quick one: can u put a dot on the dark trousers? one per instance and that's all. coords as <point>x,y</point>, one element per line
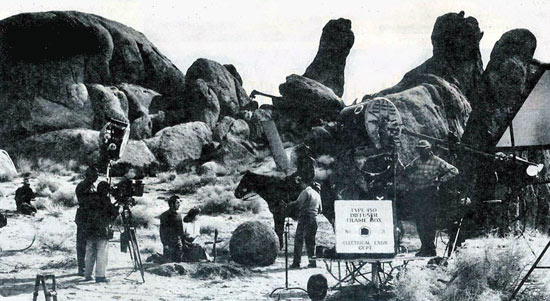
<point>425,215</point>
<point>81,240</point>
<point>306,230</point>
<point>173,251</point>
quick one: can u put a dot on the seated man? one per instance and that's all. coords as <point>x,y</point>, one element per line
<point>171,231</point>
<point>23,197</point>
<point>191,230</point>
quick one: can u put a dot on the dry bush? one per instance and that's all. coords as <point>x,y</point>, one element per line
<point>166,177</point>
<point>60,263</point>
<point>6,177</point>
<point>217,199</point>
<point>23,165</point>
<point>46,185</point>
<point>190,183</point>
<point>207,229</point>
<point>484,270</point>
<point>54,236</point>
<point>65,196</point>
<point>142,217</point>
<point>46,204</point>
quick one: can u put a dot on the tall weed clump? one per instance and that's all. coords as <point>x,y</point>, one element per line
<point>486,269</point>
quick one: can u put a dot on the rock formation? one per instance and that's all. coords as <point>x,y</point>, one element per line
<point>213,91</point>
<point>254,243</point>
<point>47,60</point>
<point>328,65</point>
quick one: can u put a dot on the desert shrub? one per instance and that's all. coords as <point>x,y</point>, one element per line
<point>60,263</point>
<point>46,204</point>
<point>217,199</point>
<point>46,185</point>
<point>189,183</point>
<point>65,196</point>
<point>207,229</point>
<point>54,236</point>
<point>484,269</point>
<point>166,177</point>
<point>142,217</point>
<point>23,165</point>
<point>6,177</point>
<point>57,168</point>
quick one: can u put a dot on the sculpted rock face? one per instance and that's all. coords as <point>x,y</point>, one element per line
<point>510,76</point>
<point>48,58</point>
<point>307,101</point>
<point>328,65</point>
<point>433,98</point>
<point>254,243</point>
<point>212,90</point>
<point>182,142</point>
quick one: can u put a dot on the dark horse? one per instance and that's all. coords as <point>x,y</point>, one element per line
<point>278,192</point>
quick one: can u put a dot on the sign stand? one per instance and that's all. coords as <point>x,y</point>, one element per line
<point>286,288</point>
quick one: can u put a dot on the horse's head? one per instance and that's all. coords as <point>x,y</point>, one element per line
<point>246,186</point>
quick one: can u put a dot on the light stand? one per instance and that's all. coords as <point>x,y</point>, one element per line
<point>286,288</point>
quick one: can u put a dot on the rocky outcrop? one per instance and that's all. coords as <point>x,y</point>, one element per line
<point>434,98</point>
<point>178,144</point>
<point>307,102</point>
<point>81,145</point>
<point>510,76</point>
<point>230,126</point>
<point>213,91</point>
<point>137,156</point>
<point>254,243</point>
<point>329,64</point>
<point>50,60</point>
<point>7,168</point>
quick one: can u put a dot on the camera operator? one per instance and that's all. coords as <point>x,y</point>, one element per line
<point>85,190</point>
<point>100,214</point>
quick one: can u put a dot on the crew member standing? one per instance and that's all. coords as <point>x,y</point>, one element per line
<point>100,214</point>
<point>23,197</point>
<point>85,192</point>
<point>171,231</point>
<point>425,174</point>
<point>309,202</point>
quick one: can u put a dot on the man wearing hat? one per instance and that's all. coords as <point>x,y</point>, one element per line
<point>85,192</point>
<point>309,204</point>
<point>23,197</point>
<point>425,174</point>
<point>171,230</point>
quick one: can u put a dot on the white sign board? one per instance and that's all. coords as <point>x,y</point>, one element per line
<point>364,227</point>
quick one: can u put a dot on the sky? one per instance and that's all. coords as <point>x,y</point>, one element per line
<point>269,40</point>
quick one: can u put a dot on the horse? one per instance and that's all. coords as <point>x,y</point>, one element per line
<point>278,193</point>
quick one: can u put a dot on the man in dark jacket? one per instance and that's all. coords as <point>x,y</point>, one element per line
<point>100,214</point>
<point>171,231</point>
<point>23,197</point>
<point>85,191</point>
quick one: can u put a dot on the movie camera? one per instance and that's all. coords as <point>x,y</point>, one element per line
<point>113,139</point>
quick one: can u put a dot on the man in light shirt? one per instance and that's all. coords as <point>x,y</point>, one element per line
<point>309,204</point>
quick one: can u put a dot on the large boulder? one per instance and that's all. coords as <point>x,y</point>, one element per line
<point>48,58</point>
<point>230,126</point>
<point>139,101</point>
<point>107,102</point>
<point>307,101</point>
<point>329,64</point>
<point>181,143</point>
<point>254,243</point>
<point>136,156</point>
<point>7,168</point>
<point>63,145</point>
<point>213,91</point>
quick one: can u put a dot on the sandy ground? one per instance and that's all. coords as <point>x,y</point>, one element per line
<point>18,270</point>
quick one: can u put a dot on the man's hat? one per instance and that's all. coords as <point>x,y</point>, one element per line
<point>26,180</point>
<point>423,144</point>
<point>91,171</point>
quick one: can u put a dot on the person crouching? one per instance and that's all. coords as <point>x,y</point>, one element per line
<point>171,231</point>
<point>101,213</point>
<point>191,230</point>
